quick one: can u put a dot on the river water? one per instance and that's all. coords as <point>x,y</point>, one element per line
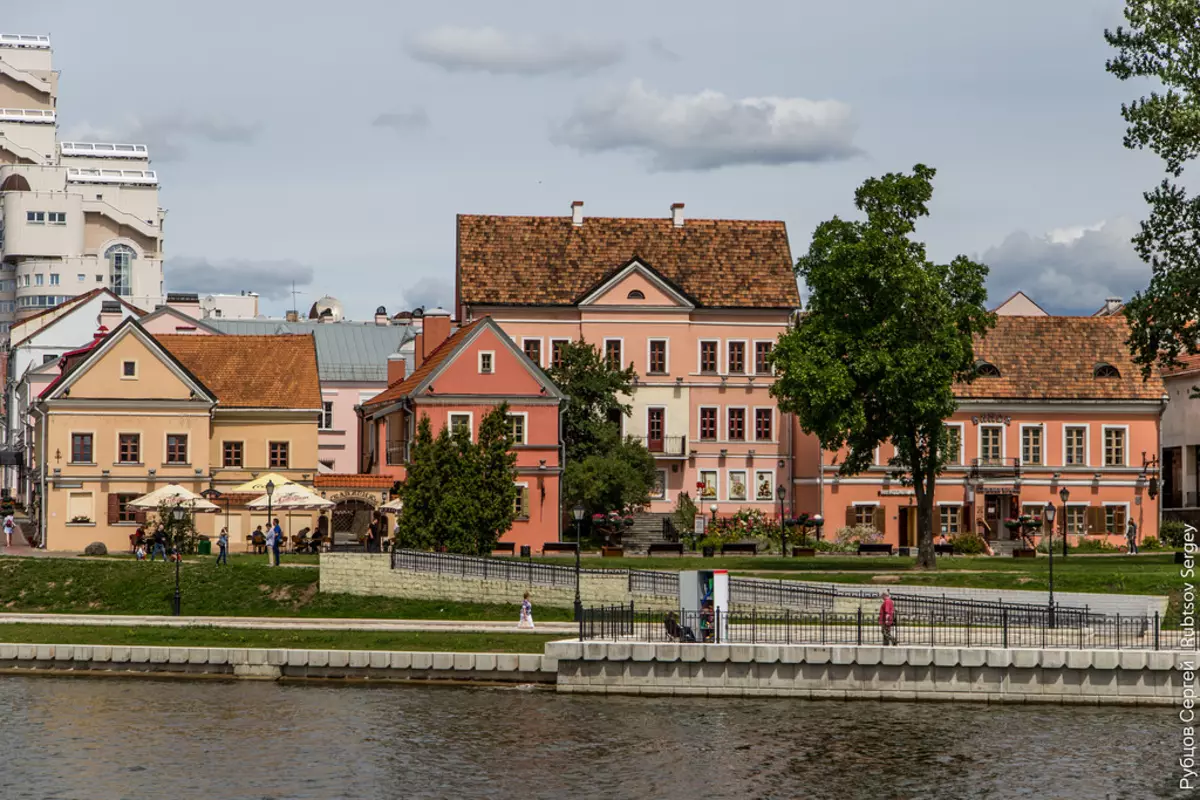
<point>99,738</point>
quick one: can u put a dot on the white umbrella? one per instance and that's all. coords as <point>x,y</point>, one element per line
<point>291,497</point>
<point>396,505</point>
<point>174,495</point>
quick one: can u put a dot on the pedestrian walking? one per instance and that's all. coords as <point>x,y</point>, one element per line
<point>269,545</point>
<point>160,544</point>
<point>1131,538</point>
<point>278,533</point>
<point>223,548</point>
<point>526,613</point>
<point>887,619</point>
<point>9,525</point>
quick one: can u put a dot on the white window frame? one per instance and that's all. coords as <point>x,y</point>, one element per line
<point>950,504</point>
<point>80,277</point>
<point>865,504</point>
<point>700,425</point>
<point>745,358</point>
<point>267,461</point>
<point>522,485</point>
<point>35,217</point>
<point>1106,505</point>
<point>1124,445</point>
<point>1087,443</point>
<point>549,357</point>
<point>1003,441</point>
<point>666,355</point>
<point>747,484</point>
<point>136,369</point>
<point>747,422</point>
<point>187,436</point>
<point>54,280</point>
<point>491,356</point>
<point>1041,445</point>
<point>700,356</point>
<point>524,415</point>
<point>1085,506</point>
<point>962,442</point>
<point>71,448</point>
<point>700,478</point>
<point>541,359</point>
<point>470,415</point>
<point>774,479</point>
<point>326,415</point>
<point>620,340</point>
<point>666,475</point>
<point>56,217</point>
<point>141,454</point>
<point>753,367</point>
<point>752,436</point>
<point>39,279</point>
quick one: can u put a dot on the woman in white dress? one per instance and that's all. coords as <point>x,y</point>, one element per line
<point>526,613</point>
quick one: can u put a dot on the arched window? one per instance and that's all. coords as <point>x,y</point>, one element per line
<point>1106,371</point>
<point>636,294</point>
<point>120,268</point>
<point>986,369</point>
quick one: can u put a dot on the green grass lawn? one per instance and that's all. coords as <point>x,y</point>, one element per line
<point>247,588</point>
<point>301,640</point>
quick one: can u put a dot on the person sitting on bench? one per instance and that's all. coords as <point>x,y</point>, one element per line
<point>677,632</point>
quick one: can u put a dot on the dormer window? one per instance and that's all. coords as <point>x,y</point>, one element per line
<point>636,294</point>
<point>986,369</point>
<point>485,362</point>
<point>1104,370</point>
<point>128,370</point>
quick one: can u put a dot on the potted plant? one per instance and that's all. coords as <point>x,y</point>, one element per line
<point>611,552</point>
<point>709,545</point>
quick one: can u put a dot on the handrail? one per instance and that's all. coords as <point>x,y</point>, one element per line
<point>103,150</point>
<point>42,115</point>
<point>133,176</point>
<point>38,41</point>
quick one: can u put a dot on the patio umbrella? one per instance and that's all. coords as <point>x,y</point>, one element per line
<point>259,484</point>
<point>173,495</point>
<point>291,497</point>
<point>396,505</point>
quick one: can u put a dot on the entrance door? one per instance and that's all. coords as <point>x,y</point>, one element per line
<point>993,516</point>
<point>907,516</point>
<point>655,426</point>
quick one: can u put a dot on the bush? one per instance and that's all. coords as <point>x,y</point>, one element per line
<point>834,546</point>
<point>968,544</point>
<point>95,549</point>
<point>1150,543</point>
<point>852,537</point>
<point>1079,544</point>
<point>1171,533</point>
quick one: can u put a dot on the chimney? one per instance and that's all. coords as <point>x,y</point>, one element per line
<point>419,350</point>
<point>292,316</point>
<point>110,314</point>
<point>381,316</point>
<point>577,213</point>
<point>677,214</point>
<point>1112,305</point>
<point>436,330</point>
<point>395,369</point>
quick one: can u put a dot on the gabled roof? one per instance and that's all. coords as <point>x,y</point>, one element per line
<point>1055,358</point>
<point>664,284</point>
<point>187,319</point>
<point>548,261</point>
<point>66,307</point>
<point>1017,299</point>
<point>252,371</point>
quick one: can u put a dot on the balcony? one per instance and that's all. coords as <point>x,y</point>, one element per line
<point>395,454</point>
<point>36,41</point>
<point>132,177</point>
<point>664,446</point>
<point>103,150</point>
<point>995,468</point>
<point>35,115</point>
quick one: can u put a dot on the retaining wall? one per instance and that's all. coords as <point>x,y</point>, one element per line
<point>1108,677</point>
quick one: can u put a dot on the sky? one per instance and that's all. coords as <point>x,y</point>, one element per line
<point>333,144</point>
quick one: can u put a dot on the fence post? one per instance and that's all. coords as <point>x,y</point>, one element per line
<point>969,615</point>
<point>1118,631</point>
<point>787,626</point>
<point>822,626</point>
<point>1004,623</point>
<point>860,623</point>
<point>754,624</point>
<point>1156,629</point>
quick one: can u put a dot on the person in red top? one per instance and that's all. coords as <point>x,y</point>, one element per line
<point>887,619</point>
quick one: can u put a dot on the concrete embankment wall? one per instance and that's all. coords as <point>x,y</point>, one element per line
<point>274,664</point>
<point>1106,677</point>
<point>372,574</point>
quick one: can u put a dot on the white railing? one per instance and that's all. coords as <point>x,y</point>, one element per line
<point>103,150</point>
<point>143,177</point>
<point>42,115</point>
<point>36,40</point>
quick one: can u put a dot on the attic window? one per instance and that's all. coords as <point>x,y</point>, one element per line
<point>636,294</point>
<point>1106,371</point>
<point>986,369</point>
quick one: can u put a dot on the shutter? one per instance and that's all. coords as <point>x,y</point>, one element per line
<point>525,507</point>
<point>879,518</point>
<point>849,516</point>
<point>114,508</point>
<point>139,517</point>
<point>1095,519</point>
<point>967,523</point>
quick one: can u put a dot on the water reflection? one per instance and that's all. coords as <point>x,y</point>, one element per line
<point>109,738</point>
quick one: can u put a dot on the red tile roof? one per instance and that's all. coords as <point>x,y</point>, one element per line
<point>403,388</point>
<point>348,481</point>
<point>252,371</point>
<point>547,261</point>
<point>1054,358</point>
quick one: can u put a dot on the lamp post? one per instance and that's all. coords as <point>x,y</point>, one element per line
<point>212,495</point>
<point>1049,514</point>
<point>818,521</point>
<point>177,601</point>
<point>270,487</point>
<point>578,512</point>
<point>1064,495</point>
<point>713,509</point>
<point>783,533</point>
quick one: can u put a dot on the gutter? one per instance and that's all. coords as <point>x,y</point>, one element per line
<point>43,528</point>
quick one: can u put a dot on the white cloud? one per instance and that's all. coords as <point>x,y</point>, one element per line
<point>491,50</point>
<point>414,119</point>
<point>168,136</point>
<point>271,279</point>
<point>429,293</point>
<point>1068,269</point>
<point>709,130</point>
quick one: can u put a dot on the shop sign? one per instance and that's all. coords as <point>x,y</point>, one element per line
<point>999,490</point>
<point>896,492</point>
<point>991,418</point>
<point>351,494</point>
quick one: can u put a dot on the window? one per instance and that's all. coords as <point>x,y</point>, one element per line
<point>612,353</point>
<point>708,357</point>
<point>737,484</point>
<point>953,444</point>
<point>39,279</point>
<point>558,349</point>
<point>99,279</point>
<point>1031,444</point>
<point>232,454</point>
<point>708,424</point>
<point>951,519</point>
<point>81,448</point>
<point>1106,371</point>
<point>35,217</point>
<point>636,294</point>
<point>486,362</point>
<point>658,357</point>
<point>736,357</point>
<point>991,446</point>
<point>80,277</point>
<point>736,424</point>
<point>762,358</point>
<point>763,419</point>
<point>125,512</point>
<point>1114,447</point>
<point>278,455</point>
<point>1114,519</point>
<point>460,422</point>
<point>129,448</point>
<point>1076,446</point>
<point>54,279</point>
<point>984,369</point>
<point>326,415</point>
<point>1033,510</point>
<point>521,503</point>
<point>516,427</point>
<point>120,268</point>
<point>533,350</point>
<point>865,515</point>
<point>128,369</point>
<point>56,217</point>
<point>1077,519</point>
<point>177,448</point>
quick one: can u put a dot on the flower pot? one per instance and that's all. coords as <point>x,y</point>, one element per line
<point>804,552</point>
<point>612,552</point>
<point>1026,553</point>
<point>708,551</point>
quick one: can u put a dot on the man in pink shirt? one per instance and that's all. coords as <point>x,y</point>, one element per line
<point>887,619</point>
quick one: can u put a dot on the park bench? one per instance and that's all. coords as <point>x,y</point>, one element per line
<point>665,547</point>
<point>884,549</point>
<point>737,547</point>
<point>943,549</point>
<point>559,547</point>
<point>505,547</point>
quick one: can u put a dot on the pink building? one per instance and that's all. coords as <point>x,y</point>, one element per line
<point>694,305</point>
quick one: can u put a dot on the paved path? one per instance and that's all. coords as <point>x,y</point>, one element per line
<point>290,623</point>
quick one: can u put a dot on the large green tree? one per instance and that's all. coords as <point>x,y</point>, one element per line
<point>1162,43</point>
<point>886,334</point>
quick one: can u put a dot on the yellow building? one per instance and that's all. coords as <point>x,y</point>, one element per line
<point>132,412</point>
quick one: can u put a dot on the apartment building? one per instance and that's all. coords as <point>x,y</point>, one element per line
<point>695,306</point>
<point>74,216</point>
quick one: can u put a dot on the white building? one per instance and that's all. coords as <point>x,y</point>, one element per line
<point>74,216</point>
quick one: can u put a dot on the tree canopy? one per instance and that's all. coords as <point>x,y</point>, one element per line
<point>886,334</point>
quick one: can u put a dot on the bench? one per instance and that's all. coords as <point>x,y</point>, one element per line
<point>665,547</point>
<point>943,549</point>
<point>559,547</point>
<point>505,547</point>
<point>750,548</point>
<point>884,549</point>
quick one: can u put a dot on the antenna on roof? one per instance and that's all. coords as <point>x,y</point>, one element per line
<point>295,292</point>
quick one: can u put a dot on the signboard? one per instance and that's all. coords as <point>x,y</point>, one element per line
<point>701,523</point>
<point>991,418</point>
<point>355,494</point>
<point>999,490</point>
<point>896,492</point>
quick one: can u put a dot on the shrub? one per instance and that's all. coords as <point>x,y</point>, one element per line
<point>1171,533</point>
<point>834,546</point>
<point>856,535</point>
<point>1150,543</point>
<point>968,544</point>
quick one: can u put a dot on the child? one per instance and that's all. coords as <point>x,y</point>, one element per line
<point>9,525</point>
<point>140,551</point>
<point>223,548</point>
<point>526,613</point>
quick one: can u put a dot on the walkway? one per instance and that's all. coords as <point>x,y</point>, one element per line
<point>291,623</point>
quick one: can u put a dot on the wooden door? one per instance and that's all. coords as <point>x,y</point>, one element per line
<point>905,515</point>
<point>655,429</point>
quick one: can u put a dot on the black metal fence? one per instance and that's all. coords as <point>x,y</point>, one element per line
<point>617,623</point>
<point>482,568</point>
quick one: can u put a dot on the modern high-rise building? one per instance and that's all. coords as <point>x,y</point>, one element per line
<point>74,216</point>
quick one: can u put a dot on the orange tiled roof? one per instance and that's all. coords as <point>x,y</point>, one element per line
<point>547,261</point>
<point>252,371</point>
<point>348,481</point>
<point>1054,358</point>
<point>402,389</point>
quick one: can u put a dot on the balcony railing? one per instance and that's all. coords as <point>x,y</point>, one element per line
<point>36,41</point>
<point>395,454</point>
<point>141,177</point>
<point>40,115</point>
<point>103,150</point>
<point>668,446</point>
<point>995,468</point>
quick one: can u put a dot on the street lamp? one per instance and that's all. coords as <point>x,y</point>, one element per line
<point>270,487</point>
<point>817,520</point>
<point>1049,514</point>
<point>713,509</point>
<point>212,495</point>
<point>177,601</point>
<point>578,512</point>
<point>783,534</point>
<point>1064,495</point>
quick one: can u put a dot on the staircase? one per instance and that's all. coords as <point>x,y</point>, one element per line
<point>647,529</point>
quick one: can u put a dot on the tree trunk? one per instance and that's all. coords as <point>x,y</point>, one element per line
<point>923,487</point>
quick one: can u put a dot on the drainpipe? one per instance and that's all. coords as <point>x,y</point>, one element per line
<point>43,527</point>
<point>562,466</point>
<point>1162,408</point>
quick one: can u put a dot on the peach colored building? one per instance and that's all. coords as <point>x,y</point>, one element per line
<point>694,305</point>
<point>459,378</point>
<point>1057,404</point>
